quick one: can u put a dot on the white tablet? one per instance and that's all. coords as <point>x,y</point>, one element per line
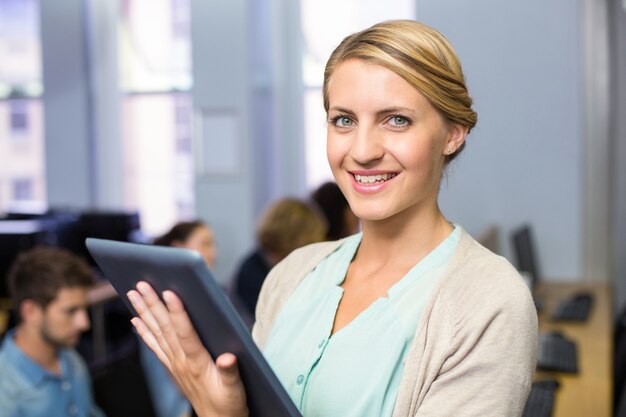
<point>218,324</point>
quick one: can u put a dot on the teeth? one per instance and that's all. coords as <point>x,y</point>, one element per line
<point>369,179</point>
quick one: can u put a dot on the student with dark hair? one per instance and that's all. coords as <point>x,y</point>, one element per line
<point>195,235</point>
<point>41,375</point>
<point>342,222</point>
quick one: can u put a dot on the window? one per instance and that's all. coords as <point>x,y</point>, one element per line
<point>347,17</point>
<point>22,189</point>
<point>19,117</point>
<point>155,75</point>
<point>21,112</point>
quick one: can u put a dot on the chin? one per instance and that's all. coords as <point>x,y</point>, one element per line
<point>71,342</point>
<point>372,215</point>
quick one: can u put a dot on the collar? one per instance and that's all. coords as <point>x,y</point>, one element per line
<point>31,370</point>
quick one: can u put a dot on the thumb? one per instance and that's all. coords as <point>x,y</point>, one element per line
<point>228,370</point>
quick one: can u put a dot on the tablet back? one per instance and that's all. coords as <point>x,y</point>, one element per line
<point>218,324</point>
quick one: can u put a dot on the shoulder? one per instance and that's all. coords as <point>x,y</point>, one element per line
<point>479,275</point>
<point>481,290</point>
<point>282,281</point>
<point>76,363</point>
<point>253,266</point>
<point>299,263</point>
<point>13,386</point>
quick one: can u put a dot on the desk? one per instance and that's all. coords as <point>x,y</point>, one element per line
<point>590,392</point>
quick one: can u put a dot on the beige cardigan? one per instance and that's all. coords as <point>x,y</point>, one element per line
<point>475,344</point>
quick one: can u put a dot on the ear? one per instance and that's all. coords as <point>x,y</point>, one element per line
<point>30,311</point>
<point>177,244</point>
<point>454,139</point>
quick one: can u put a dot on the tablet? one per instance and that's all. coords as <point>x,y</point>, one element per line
<point>218,324</point>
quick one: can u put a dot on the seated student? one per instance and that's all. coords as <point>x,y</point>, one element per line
<point>166,397</point>
<point>41,375</point>
<point>194,235</point>
<point>342,222</point>
<point>286,225</point>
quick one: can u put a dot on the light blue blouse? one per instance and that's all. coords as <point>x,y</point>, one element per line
<point>357,371</point>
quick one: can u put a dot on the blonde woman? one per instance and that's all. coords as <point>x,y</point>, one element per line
<point>411,317</point>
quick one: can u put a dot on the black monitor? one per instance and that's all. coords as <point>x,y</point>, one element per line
<point>20,235</point>
<point>524,248</point>
<point>112,225</point>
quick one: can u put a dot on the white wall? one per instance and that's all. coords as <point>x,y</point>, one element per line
<point>523,162</point>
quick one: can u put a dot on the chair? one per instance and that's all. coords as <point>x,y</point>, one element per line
<point>619,365</point>
<point>120,388</point>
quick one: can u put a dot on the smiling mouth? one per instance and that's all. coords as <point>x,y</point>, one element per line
<point>373,179</point>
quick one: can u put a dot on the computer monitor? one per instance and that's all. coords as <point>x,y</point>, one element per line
<point>20,235</point>
<point>524,249</point>
<point>64,221</point>
<point>112,225</point>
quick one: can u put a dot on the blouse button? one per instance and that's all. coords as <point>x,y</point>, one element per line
<point>300,379</point>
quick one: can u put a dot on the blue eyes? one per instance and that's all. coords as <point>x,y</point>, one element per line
<point>343,121</point>
<point>394,121</point>
<point>398,121</point>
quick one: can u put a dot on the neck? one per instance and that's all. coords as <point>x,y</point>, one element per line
<point>32,345</point>
<point>404,239</point>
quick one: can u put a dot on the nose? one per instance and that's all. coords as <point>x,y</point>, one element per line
<point>367,145</point>
<point>82,320</point>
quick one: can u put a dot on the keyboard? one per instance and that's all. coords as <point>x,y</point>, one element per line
<point>557,353</point>
<point>541,399</point>
<point>576,308</point>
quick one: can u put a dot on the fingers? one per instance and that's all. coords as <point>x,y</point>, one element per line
<point>228,370</point>
<point>150,340</point>
<point>155,317</point>
<point>188,337</point>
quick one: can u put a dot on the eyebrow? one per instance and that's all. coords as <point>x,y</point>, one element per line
<point>388,110</point>
<point>341,110</point>
<point>74,308</point>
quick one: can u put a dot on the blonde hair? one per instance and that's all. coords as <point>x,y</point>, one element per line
<point>419,54</point>
<point>288,224</point>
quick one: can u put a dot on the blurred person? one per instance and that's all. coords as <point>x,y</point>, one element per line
<point>195,235</point>
<point>41,374</point>
<point>284,226</point>
<point>342,222</point>
<point>167,400</point>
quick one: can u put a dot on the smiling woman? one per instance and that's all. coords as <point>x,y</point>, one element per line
<point>411,317</point>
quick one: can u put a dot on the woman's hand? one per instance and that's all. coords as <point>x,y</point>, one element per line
<point>214,388</point>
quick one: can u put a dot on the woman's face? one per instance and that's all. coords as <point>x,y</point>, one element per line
<point>386,142</point>
<point>201,240</point>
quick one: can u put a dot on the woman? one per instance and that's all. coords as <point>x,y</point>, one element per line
<point>167,400</point>
<point>194,235</point>
<point>412,317</point>
<point>285,225</point>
